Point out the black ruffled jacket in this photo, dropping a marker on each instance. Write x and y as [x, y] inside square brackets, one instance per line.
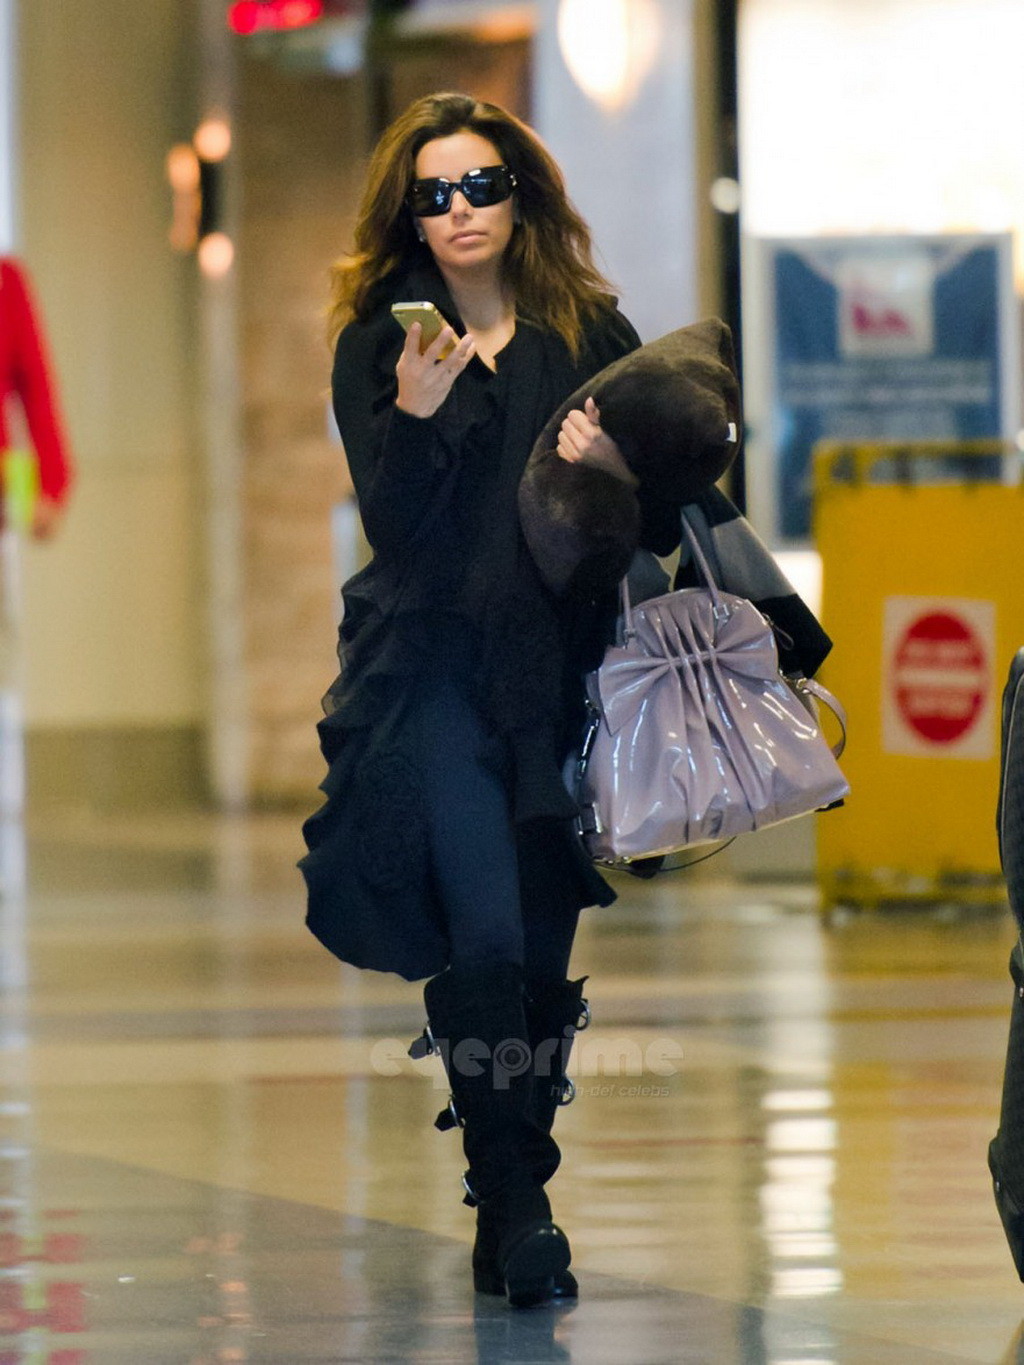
[438, 498]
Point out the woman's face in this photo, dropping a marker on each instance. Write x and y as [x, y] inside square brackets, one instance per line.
[464, 238]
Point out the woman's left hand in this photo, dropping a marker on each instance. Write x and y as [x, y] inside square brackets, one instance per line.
[581, 441]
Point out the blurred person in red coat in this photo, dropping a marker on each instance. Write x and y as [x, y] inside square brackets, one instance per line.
[25, 373]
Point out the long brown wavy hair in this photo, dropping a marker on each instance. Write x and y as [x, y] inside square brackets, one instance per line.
[548, 265]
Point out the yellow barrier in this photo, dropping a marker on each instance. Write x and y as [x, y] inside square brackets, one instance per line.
[922, 570]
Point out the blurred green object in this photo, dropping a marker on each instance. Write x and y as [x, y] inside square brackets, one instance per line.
[20, 487]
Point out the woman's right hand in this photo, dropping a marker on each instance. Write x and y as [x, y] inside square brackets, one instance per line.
[424, 381]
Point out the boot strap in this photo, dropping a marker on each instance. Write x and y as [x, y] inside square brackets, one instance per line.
[423, 1046]
[583, 1004]
[448, 1118]
[563, 1090]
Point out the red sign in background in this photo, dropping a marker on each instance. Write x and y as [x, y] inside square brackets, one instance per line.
[940, 677]
[253, 16]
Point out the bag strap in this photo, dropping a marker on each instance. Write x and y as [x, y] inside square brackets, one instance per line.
[703, 567]
[626, 607]
[719, 608]
[829, 699]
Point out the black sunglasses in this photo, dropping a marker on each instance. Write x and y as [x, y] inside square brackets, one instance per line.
[483, 187]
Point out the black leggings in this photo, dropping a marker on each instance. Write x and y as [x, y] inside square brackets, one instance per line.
[473, 843]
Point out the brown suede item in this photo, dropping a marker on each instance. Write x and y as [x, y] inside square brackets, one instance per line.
[673, 409]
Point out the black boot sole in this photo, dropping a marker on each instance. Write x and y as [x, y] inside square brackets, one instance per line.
[531, 1264]
[563, 1285]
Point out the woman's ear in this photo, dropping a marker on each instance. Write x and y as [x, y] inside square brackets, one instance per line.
[417, 228]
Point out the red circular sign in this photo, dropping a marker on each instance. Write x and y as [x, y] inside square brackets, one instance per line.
[940, 676]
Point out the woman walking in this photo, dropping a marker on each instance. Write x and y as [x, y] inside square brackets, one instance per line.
[445, 847]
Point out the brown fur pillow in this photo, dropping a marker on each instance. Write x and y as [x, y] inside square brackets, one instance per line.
[673, 409]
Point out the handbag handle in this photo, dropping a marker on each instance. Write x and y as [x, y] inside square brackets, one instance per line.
[719, 608]
[829, 699]
[700, 559]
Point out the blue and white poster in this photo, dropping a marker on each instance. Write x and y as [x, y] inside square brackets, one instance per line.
[885, 339]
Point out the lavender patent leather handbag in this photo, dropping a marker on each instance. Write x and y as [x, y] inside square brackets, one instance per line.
[694, 733]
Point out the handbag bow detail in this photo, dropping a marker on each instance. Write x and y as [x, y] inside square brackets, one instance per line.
[684, 634]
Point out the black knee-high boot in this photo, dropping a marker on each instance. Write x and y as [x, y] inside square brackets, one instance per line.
[476, 1021]
[1006, 1151]
[555, 1013]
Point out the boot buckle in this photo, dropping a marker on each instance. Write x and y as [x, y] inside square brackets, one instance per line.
[568, 1091]
[449, 1117]
[471, 1196]
[423, 1046]
[583, 1019]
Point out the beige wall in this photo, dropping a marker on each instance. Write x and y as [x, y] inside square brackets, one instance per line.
[300, 144]
[114, 636]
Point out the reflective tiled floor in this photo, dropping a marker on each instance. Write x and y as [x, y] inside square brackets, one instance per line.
[213, 1148]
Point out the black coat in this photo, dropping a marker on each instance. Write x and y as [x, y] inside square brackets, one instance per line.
[438, 502]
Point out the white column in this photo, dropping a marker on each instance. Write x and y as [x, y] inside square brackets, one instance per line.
[629, 154]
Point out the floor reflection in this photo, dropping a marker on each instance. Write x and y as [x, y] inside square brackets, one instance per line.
[207, 1154]
[13, 859]
[161, 1272]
